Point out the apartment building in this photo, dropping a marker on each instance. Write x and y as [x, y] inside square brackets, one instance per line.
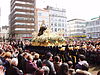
[93, 28]
[57, 20]
[22, 18]
[76, 28]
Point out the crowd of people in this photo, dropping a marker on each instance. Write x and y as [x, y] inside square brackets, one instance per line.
[21, 58]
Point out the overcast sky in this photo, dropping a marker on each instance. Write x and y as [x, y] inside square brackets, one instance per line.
[83, 9]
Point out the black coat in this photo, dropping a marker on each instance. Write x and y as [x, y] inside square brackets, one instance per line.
[13, 70]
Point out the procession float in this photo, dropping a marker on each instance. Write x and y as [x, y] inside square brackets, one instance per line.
[45, 38]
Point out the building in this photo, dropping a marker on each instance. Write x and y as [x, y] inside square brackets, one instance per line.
[4, 32]
[42, 16]
[93, 28]
[76, 28]
[22, 19]
[57, 20]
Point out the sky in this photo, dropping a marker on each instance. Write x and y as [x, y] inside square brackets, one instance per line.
[82, 9]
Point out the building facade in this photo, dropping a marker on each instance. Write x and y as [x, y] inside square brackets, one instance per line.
[22, 18]
[42, 16]
[57, 20]
[93, 28]
[76, 28]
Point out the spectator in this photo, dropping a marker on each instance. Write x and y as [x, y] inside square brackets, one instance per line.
[7, 59]
[48, 63]
[37, 60]
[22, 59]
[30, 66]
[13, 70]
[63, 69]
[82, 64]
[57, 63]
[46, 70]
[2, 70]
[71, 70]
[1, 54]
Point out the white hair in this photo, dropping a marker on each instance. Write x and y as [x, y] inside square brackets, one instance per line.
[46, 69]
[14, 61]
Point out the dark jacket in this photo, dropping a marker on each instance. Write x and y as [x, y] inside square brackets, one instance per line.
[22, 63]
[13, 70]
[51, 67]
[30, 67]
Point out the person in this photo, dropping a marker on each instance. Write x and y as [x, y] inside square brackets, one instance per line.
[2, 69]
[63, 69]
[7, 60]
[31, 67]
[13, 70]
[37, 60]
[22, 58]
[46, 70]
[49, 64]
[71, 70]
[82, 64]
[57, 63]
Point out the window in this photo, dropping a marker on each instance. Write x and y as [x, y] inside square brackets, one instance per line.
[59, 25]
[23, 18]
[62, 24]
[24, 2]
[62, 20]
[59, 29]
[55, 24]
[62, 28]
[59, 19]
[17, 23]
[51, 24]
[52, 29]
[23, 29]
[26, 13]
[55, 29]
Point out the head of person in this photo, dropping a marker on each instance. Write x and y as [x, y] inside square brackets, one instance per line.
[14, 61]
[81, 57]
[70, 63]
[49, 56]
[25, 54]
[30, 57]
[56, 59]
[64, 69]
[7, 55]
[46, 70]
[36, 56]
